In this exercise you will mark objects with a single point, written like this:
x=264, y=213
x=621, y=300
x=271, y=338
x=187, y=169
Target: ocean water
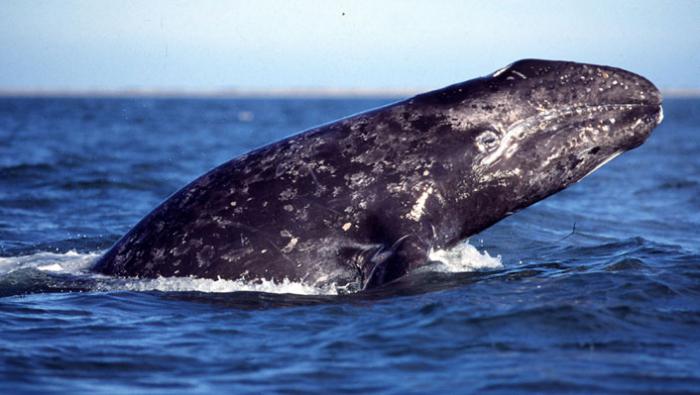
x=594, y=290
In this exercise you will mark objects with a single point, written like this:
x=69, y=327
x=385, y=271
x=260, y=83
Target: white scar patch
x=500, y=71
x=419, y=207
x=519, y=74
x=290, y=246
x=292, y=241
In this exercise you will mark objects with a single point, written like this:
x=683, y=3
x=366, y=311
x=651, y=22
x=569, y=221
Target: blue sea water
x=597, y=289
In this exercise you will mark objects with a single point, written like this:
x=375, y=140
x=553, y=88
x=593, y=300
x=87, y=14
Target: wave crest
x=463, y=257
x=67, y=267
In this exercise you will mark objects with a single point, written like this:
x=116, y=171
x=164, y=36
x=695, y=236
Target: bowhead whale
x=361, y=201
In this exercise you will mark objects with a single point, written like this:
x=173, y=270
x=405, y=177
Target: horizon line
x=326, y=92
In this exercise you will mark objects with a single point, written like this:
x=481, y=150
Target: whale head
x=535, y=127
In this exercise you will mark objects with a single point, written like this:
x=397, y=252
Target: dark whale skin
x=361, y=201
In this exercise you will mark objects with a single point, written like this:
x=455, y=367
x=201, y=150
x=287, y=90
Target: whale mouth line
x=549, y=115
x=578, y=109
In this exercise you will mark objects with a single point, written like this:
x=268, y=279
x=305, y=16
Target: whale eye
x=487, y=140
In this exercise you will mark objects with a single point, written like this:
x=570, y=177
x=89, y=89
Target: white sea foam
x=75, y=263
x=68, y=262
x=183, y=284
x=462, y=258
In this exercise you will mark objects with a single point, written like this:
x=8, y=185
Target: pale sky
x=341, y=44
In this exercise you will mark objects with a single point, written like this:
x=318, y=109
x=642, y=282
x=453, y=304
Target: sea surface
x=594, y=290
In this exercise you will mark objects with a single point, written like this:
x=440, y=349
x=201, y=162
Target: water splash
x=68, y=262
x=463, y=257
x=57, y=267
x=184, y=284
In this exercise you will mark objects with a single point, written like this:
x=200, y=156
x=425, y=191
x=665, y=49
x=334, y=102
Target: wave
x=190, y=284
x=60, y=272
x=68, y=262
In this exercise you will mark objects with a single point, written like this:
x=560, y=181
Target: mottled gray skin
x=361, y=201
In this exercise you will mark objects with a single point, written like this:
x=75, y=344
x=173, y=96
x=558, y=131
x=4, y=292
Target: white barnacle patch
x=395, y=188
x=288, y=207
x=292, y=241
x=497, y=175
x=418, y=208
x=359, y=180
x=290, y=246
x=205, y=255
x=288, y=194
x=346, y=226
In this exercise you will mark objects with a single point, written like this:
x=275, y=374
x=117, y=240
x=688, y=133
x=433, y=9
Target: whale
x=362, y=201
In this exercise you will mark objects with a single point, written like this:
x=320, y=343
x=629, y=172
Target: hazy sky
x=345, y=44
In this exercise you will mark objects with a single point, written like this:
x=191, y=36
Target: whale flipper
x=386, y=265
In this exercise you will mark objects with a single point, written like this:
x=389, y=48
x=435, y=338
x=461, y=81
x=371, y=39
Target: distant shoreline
x=256, y=93
x=216, y=93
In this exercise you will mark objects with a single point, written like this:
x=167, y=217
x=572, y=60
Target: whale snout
x=587, y=94
x=572, y=118
x=570, y=81
x=624, y=87
x=635, y=101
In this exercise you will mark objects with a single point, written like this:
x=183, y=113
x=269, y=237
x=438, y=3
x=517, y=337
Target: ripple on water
x=594, y=290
